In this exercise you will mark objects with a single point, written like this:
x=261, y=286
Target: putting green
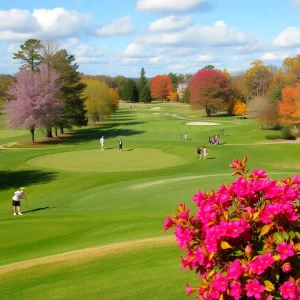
x=108, y=160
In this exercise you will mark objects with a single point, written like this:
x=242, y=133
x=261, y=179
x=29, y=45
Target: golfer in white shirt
x=18, y=195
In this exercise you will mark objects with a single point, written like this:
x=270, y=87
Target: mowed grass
x=83, y=197
x=103, y=161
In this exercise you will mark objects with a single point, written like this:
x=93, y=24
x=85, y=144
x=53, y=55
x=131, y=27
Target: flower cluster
x=244, y=239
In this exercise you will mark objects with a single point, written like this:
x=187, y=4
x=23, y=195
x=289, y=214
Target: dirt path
x=87, y=254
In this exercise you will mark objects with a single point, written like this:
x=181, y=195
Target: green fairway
x=81, y=197
x=108, y=161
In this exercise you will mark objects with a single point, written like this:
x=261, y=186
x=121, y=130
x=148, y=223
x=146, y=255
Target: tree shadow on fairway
x=89, y=134
x=15, y=179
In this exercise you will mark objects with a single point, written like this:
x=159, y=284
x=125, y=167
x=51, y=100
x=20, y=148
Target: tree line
x=48, y=92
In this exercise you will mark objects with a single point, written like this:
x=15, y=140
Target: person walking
x=205, y=153
x=18, y=195
x=102, y=143
x=198, y=152
x=120, y=145
x=179, y=137
x=185, y=136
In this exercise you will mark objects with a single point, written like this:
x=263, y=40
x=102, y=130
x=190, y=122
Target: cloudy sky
x=119, y=37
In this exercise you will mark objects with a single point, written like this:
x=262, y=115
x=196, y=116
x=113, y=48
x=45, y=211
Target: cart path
x=74, y=257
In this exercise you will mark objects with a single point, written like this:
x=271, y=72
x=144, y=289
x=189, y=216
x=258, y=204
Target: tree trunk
x=49, y=132
x=56, y=131
x=61, y=129
x=32, y=134
x=208, y=111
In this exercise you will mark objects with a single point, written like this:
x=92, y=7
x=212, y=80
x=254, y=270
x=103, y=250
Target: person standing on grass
x=102, y=143
x=120, y=145
x=185, y=136
x=179, y=137
x=205, y=153
x=18, y=195
x=198, y=152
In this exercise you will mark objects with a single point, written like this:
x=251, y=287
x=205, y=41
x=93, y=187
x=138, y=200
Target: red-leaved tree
x=209, y=89
x=34, y=101
x=161, y=87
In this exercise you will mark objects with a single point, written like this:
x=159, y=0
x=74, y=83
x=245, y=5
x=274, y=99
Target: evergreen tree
x=174, y=79
x=71, y=93
x=142, y=83
x=130, y=91
x=145, y=94
x=29, y=54
x=186, y=96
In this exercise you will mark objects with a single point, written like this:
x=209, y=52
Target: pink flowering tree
x=244, y=240
x=33, y=101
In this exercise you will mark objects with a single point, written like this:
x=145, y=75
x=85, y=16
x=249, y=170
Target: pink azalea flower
x=183, y=236
x=235, y=270
x=254, y=289
x=168, y=223
x=189, y=290
x=286, y=268
x=259, y=173
x=285, y=250
x=184, y=215
x=267, y=260
x=220, y=283
x=198, y=198
x=235, y=290
x=288, y=290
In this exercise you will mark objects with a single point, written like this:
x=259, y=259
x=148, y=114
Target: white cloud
x=295, y=3
x=290, y=36
x=133, y=49
x=122, y=26
x=155, y=60
x=20, y=25
x=84, y=50
x=270, y=56
x=170, y=23
x=17, y=20
x=61, y=22
x=203, y=58
x=218, y=35
x=172, y=5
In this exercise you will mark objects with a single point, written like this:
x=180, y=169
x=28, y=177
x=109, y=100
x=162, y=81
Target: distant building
x=181, y=88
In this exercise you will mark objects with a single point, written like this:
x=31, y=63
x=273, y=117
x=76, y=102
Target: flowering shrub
x=244, y=240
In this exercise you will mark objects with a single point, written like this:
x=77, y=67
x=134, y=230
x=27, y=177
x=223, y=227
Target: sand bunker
x=202, y=123
x=155, y=108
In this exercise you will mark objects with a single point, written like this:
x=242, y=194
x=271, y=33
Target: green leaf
x=285, y=236
x=278, y=238
x=292, y=234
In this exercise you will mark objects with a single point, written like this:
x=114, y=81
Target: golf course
x=92, y=224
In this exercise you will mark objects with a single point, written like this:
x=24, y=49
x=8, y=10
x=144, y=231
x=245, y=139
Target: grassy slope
x=74, y=210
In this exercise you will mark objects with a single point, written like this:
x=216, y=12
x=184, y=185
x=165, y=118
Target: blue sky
x=119, y=37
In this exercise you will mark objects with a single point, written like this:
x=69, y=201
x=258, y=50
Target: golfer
x=120, y=145
x=198, y=152
x=18, y=195
x=102, y=143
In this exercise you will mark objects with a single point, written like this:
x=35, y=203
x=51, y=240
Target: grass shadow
x=15, y=179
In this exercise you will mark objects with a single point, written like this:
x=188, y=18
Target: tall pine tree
x=29, y=54
x=71, y=93
x=130, y=91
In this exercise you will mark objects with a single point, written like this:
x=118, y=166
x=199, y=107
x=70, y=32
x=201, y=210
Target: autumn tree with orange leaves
x=289, y=106
x=161, y=87
x=237, y=108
